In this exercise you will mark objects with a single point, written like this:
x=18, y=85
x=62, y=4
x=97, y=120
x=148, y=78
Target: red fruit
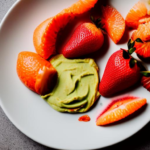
x=113, y=22
x=87, y=38
x=36, y=73
x=119, y=74
x=146, y=79
x=120, y=109
x=45, y=35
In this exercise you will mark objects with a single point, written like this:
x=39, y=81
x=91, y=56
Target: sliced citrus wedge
x=45, y=35
x=137, y=15
x=36, y=73
x=120, y=109
x=113, y=22
x=142, y=33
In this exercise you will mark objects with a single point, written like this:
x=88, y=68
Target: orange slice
x=143, y=32
x=36, y=73
x=45, y=35
x=113, y=22
x=120, y=109
x=138, y=14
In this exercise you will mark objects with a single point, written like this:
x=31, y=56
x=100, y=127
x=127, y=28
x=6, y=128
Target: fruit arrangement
x=68, y=81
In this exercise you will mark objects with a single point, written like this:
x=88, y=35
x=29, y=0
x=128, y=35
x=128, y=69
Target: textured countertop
x=12, y=139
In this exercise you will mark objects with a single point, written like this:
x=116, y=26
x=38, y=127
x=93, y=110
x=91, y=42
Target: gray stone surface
x=12, y=139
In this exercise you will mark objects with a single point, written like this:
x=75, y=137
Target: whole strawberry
x=87, y=38
x=122, y=71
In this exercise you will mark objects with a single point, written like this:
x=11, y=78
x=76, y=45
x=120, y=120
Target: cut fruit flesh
x=45, y=35
x=35, y=72
x=120, y=109
x=146, y=81
x=137, y=12
x=45, y=80
x=143, y=32
x=113, y=22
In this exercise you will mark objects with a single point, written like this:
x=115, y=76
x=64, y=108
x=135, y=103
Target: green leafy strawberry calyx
x=139, y=40
x=145, y=73
x=132, y=61
x=98, y=23
x=131, y=47
x=131, y=44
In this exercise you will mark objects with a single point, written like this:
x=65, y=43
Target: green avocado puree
x=77, y=84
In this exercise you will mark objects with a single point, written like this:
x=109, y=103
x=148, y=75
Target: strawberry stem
x=145, y=73
x=97, y=22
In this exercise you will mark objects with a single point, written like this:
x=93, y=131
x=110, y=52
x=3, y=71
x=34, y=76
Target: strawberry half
x=87, y=38
x=122, y=71
x=146, y=79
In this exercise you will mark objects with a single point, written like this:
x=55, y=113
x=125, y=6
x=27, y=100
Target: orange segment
x=114, y=23
x=120, y=109
x=45, y=35
x=35, y=72
x=143, y=49
x=143, y=32
x=137, y=12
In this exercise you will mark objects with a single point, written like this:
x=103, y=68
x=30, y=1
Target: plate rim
x=20, y=128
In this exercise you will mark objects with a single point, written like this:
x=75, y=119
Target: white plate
x=32, y=115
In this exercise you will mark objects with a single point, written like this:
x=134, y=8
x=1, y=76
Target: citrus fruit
x=138, y=14
x=45, y=35
x=35, y=72
x=142, y=33
x=114, y=23
x=120, y=109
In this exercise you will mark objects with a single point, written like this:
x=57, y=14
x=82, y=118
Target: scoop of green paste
x=77, y=85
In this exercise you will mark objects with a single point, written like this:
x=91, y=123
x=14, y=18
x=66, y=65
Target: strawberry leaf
x=129, y=43
x=132, y=62
x=139, y=40
x=125, y=55
x=131, y=50
x=92, y=19
x=145, y=73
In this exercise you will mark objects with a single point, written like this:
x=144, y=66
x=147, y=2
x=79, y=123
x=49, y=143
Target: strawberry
x=87, y=38
x=46, y=34
x=146, y=79
x=122, y=71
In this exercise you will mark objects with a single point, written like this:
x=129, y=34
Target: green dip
x=77, y=84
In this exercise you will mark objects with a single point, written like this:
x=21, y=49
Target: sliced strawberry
x=146, y=79
x=120, y=109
